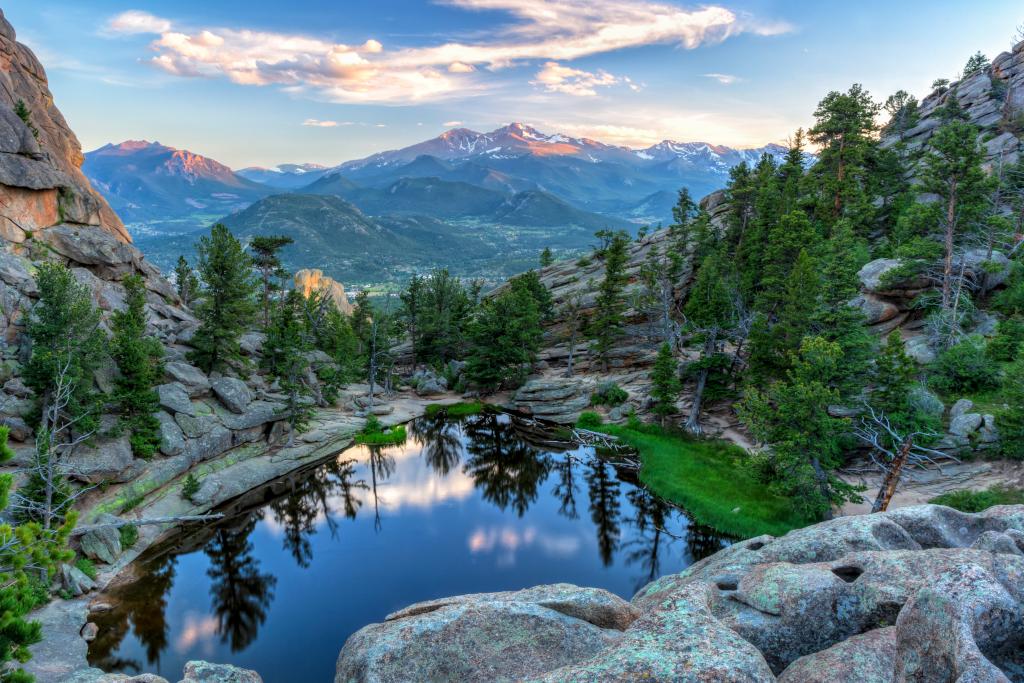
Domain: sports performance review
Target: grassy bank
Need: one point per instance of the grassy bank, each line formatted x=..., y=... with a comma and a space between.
x=975, y=501
x=455, y=409
x=707, y=479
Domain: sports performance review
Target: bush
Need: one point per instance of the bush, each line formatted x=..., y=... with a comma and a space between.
x=589, y=420
x=129, y=536
x=964, y=368
x=190, y=487
x=85, y=565
x=609, y=394
x=372, y=426
x=1009, y=336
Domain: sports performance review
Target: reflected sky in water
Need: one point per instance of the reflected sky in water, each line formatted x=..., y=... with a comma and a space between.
x=481, y=504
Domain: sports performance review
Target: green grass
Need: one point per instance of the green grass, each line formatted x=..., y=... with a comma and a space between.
x=966, y=500
x=455, y=409
x=129, y=536
x=709, y=480
x=85, y=565
x=389, y=437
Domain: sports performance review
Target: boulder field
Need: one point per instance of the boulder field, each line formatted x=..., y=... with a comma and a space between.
x=924, y=593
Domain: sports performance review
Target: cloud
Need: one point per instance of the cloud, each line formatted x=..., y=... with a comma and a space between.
x=724, y=79
x=317, y=123
x=135, y=21
x=547, y=31
x=451, y=124
x=555, y=77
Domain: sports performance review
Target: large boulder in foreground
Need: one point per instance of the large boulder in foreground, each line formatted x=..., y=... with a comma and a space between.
x=924, y=593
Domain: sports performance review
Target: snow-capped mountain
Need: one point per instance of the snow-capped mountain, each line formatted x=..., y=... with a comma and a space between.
x=284, y=176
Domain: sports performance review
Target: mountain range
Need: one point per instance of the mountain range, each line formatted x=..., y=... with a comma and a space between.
x=505, y=194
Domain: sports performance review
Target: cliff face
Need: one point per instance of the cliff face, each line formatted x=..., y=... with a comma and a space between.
x=41, y=182
x=309, y=280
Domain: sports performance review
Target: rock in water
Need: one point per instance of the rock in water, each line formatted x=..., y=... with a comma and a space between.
x=917, y=594
x=204, y=672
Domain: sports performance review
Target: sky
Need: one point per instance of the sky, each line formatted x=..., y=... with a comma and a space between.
x=261, y=82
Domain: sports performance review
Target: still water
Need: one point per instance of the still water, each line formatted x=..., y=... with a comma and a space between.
x=484, y=503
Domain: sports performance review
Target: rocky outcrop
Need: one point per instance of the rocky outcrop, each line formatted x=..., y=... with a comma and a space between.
x=196, y=671
x=309, y=280
x=556, y=399
x=41, y=182
x=918, y=594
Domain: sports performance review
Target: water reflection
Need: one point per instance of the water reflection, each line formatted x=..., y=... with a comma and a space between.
x=488, y=502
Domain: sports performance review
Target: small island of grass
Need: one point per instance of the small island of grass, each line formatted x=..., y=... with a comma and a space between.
x=463, y=409
x=374, y=434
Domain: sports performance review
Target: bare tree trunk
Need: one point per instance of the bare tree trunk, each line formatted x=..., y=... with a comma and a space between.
x=892, y=477
x=822, y=480
x=693, y=421
x=947, y=269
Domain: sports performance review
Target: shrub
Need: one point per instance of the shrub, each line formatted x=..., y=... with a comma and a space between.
x=964, y=368
x=609, y=394
x=190, y=487
x=129, y=536
x=372, y=425
x=1009, y=336
x=589, y=420
x=85, y=565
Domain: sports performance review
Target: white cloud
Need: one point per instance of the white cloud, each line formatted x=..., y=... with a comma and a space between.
x=724, y=79
x=555, y=77
x=549, y=31
x=136, y=21
x=452, y=124
x=317, y=123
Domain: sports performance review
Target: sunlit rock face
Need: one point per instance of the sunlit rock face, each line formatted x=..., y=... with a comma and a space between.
x=923, y=593
x=41, y=182
x=309, y=280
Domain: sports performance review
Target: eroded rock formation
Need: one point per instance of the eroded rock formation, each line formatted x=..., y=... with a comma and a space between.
x=917, y=594
x=41, y=182
x=309, y=280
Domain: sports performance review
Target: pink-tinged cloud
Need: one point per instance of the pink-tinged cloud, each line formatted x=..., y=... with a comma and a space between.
x=548, y=31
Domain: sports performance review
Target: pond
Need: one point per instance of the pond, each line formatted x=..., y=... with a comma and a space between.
x=488, y=502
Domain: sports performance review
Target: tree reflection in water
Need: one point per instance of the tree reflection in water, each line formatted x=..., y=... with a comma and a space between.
x=240, y=594
x=144, y=605
x=311, y=499
x=441, y=439
x=603, y=487
x=503, y=465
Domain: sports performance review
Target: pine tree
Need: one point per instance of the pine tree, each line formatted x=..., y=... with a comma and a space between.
x=665, y=385
x=411, y=311
x=892, y=378
x=139, y=359
x=977, y=63
x=186, y=281
x=546, y=257
x=284, y=356
x=504, y=338
x=952, y=170
x=227, y=306
x=844, y=132
x=66, y=342
x=23, y=113
x=530, y=283
x=805, y=442
x=710, y=312
x=607, y=322
x=267, y=262
x=785, y=240
x=1010, y=419
x=444, y=317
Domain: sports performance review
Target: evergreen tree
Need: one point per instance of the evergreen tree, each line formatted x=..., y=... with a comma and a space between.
x=902, y=108
x=530, y=283
x=186, y=281
x=952, y=170
x=284, y=355
x=227, y=306
x=139, y=359
x=892, y=378
x=785, y=240
x=25, y=114
x=67, y=343
x=504, y=338
x=444, y=316
x=410, y=312
x=1010, y=419
x=267, y=262
x=844, y=132
x=607, y=323
x=661, y=275
x=977, y=64
x=710, y=313
x=805, y=442
x=546, y=257
x=665, y=386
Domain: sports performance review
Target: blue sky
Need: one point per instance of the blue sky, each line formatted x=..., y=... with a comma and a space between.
x=260, y=82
